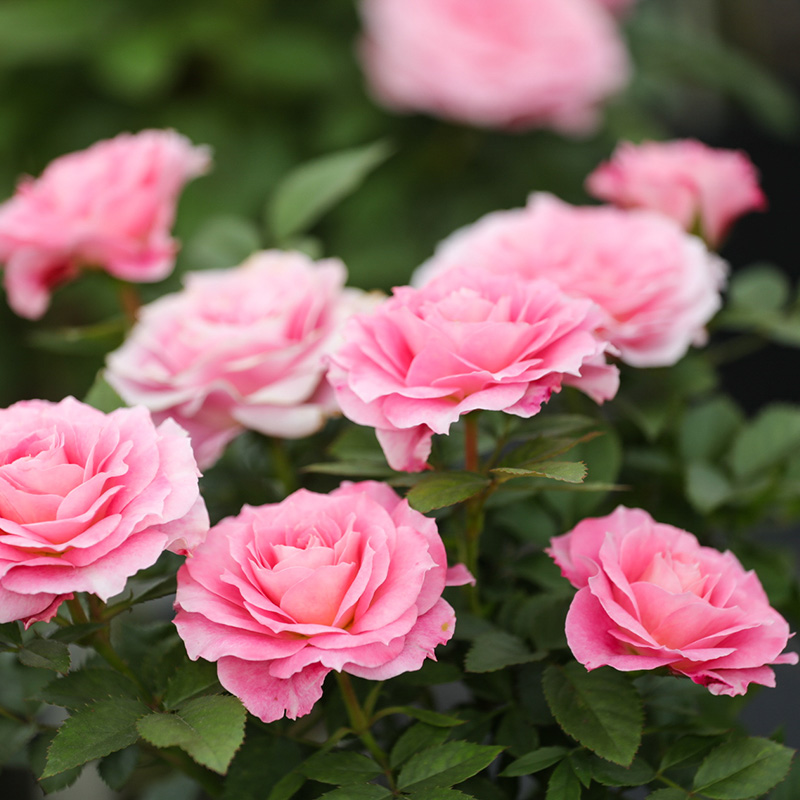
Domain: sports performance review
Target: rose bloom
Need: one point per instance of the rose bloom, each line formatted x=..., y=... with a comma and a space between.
x=109, y=207
x=649, y=595
x=702, y=188
x=239, y=348
x=501, y=64
x=86, y=500
x=282, y=594
x=657, y=286
x=469, y=340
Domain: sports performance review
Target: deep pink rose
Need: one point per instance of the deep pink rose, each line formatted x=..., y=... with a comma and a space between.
x=282, y=594
x=649, y=595
x=657, y=286
x=86, y=500
x=501, y=64
x=239, y=348
x=109, y=207
x=468, y=340
x=702, y=188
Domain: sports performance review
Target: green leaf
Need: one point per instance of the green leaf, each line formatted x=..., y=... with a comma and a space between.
x=38, y=760
x=609, y=774
x=96, y=339
x=668, y=794
x=535, y=761
x=569, y=471
x=706, y=487
x=10, y=633
x=210, y=729
x=441, y=489
x=340, y=768
x=707, y=430
x=446, y=764
x=684, y=749
x=563, y=783
x=440, y=794
x=117, y=768
x=87, y=686
x=315, y=187
x=75, y=633
x=743, y=768
x=13, y=737
x=191, y=678
x=760, y=287
x=497, y=650
x=222, y=242
x=94, y=732
x=102, y=397
x=772, y=436
x=369, y=791
x=287, y=786
x=263, y=760
x=413, y=739
x=599, y=709
x=45, y=654
x=429, y=717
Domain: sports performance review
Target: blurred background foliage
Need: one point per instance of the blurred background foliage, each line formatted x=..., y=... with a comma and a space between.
x=272, y=84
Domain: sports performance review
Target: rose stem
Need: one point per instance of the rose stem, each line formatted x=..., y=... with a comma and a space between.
x=360, y=725
x=471, y=442
x=130, y=301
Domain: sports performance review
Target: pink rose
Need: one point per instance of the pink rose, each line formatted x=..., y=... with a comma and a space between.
x=657, y=286
x=86, y=500
x=503, y=64
x=239, y=348
x=111, y=206
x=284, y=593
x=700, y=187
x=468, y=340
x=649, y=595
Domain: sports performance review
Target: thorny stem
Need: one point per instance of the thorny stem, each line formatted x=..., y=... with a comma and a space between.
x=360, y=724
x=471, y=442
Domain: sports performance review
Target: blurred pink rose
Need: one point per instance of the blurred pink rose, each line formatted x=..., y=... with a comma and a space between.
x=468, y=340
x=657, y=286
x=239, y=348
x=702, y=188
x=616, y=6
x=86, y=500
x=111, y=206
x=282, y=594
x=649, y=595
x=504, y=64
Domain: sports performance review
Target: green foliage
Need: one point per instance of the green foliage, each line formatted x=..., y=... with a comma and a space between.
x=600, y=709
x=444, y=765
x=497, y=649
x=45, y=654
x=439, y=490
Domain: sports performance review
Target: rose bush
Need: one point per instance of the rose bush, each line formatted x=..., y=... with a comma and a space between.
x=657, y=286
x=282, y=594
x=507, y=64
x=702, y=188
x=468, y=340
x=239, y=348
x=86, y=500
x=110, y=206
x=649, y=595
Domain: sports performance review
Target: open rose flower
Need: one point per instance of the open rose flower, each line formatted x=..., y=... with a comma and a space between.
x=282, y=594
x=649, y=595
x=239, y=348
x=504, y=64
x=702, y=188
x=468, y=340
x=109, y=207
x=657, y=286
x=86, y=500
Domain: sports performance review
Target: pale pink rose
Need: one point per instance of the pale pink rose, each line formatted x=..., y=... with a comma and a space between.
x=239, y=348
x=649, y=595
x=657, y=286
x=469, y=340
x=109, y=207
x=501, y=64
x=86, y=500
x=282, y=594
x=702, y=188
